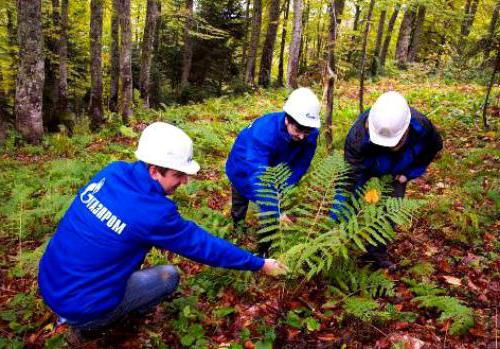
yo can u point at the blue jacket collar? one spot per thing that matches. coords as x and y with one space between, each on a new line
143 179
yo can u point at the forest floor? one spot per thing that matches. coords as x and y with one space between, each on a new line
452 243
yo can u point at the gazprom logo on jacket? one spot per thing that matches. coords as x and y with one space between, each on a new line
101 212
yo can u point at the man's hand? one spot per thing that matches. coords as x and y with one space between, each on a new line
273 267
401 179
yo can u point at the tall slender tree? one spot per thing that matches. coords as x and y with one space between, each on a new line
363 55
329 71
244 47
417 34
469 16
187 51
62 85
30 75
496 68
254 41
378 43
95 105
125 61
114 70
283 41
404 37
266 60
388 36
147 50
293 57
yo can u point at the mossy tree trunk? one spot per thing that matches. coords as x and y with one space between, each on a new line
114 72
147 50
254 41
95 106
268 48
30 75
125 62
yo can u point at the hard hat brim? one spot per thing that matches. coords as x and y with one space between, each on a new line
191 168
384 141
306 122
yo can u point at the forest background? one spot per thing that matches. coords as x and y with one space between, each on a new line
79 80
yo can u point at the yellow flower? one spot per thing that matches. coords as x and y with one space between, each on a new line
372 196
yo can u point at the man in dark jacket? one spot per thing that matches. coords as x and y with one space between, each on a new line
90 272
390 139
289 137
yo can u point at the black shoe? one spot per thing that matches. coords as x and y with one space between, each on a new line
377 261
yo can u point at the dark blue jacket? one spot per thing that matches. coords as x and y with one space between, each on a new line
370 160
266 142
105 235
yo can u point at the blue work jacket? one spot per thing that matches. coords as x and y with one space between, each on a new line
370 160
105 235
266 142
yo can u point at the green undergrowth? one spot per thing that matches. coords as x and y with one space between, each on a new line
37 184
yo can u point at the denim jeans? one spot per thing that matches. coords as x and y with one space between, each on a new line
145 289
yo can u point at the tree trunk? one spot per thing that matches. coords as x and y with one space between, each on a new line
354 38
254 41
339 10
363 55
319 32
266 61
155 98
417 34
378 43
4 115
114 72
187 51
30 75
470 14
125 62
404 37
329 72
490 86
147 50
388 35
245 38
293 56
62 86
283 41
95 106
491 30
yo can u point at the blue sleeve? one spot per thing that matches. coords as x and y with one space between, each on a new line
186 238
430 144
300 166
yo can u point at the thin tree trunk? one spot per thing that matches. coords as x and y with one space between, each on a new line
114 72
293 57
125 62
147 50
62 95
388 35
417 34
319 31
404 37
266 61
245 38
491 30
488 92
283 41
363 55
470 14
339 11
187 51
95 106
354 38
329 72
30 75
378 43
156 71
254 41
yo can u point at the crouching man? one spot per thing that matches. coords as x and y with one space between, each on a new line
90 272
289 137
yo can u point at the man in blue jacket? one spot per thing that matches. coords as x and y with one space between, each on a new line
90 272
289 137
392 139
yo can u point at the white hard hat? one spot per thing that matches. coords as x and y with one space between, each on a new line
388 119
167 146
303 106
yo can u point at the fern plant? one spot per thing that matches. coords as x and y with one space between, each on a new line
314 242
430 296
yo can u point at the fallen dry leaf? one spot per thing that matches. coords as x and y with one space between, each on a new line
452 280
